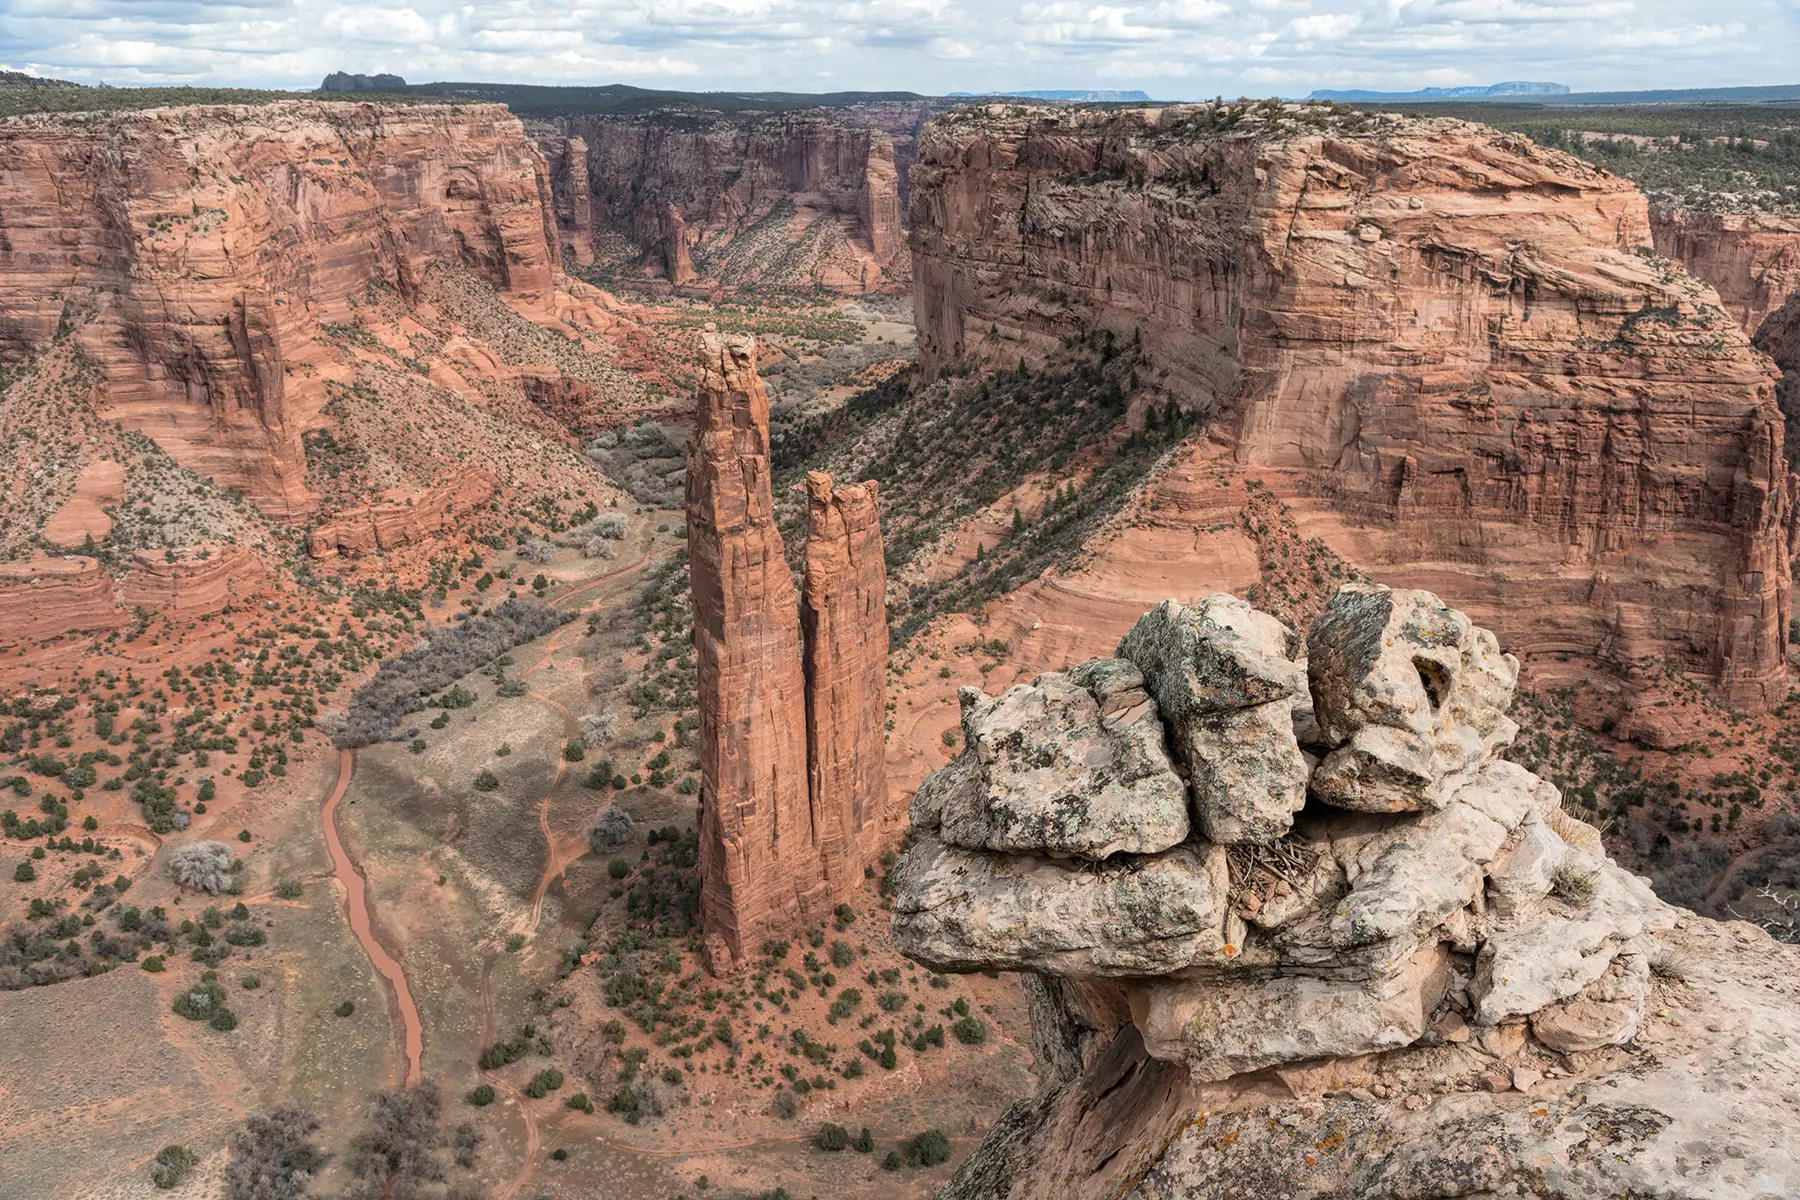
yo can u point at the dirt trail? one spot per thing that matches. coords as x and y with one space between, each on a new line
533 1141
356 901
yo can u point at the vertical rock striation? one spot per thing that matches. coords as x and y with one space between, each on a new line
1752 259
843 620
793 796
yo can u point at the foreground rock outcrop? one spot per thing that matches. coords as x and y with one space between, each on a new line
195 253
793 797
401 520
1459 344
1427 980
790 199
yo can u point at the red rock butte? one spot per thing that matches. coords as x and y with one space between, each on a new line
793 798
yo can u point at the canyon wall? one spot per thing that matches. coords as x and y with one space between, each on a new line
1751 259
45 598
194 253
795 199
194 582
780 844
1460 346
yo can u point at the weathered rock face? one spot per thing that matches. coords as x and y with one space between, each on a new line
1751 259
44 598
1479 943
843 625
195 253
801 197
402 520
1463 344
793 794
567 158
195 582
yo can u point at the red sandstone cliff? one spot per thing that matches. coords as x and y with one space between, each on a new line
44 598
1463 344
790 198
1751 259
195 582
402 520
843 620
196 251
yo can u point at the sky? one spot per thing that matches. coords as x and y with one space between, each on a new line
1173 49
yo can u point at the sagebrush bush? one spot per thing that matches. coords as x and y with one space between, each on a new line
273 1157
204 866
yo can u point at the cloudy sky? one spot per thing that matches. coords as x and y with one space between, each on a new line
1174 49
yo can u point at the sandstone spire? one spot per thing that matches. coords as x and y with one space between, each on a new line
793 796
843 617
757 853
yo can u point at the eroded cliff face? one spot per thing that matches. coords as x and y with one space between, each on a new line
1464 345
794 199
1411 974
1751 259
194 254
793 793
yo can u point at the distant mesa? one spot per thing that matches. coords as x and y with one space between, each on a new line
1492 91
1072 95
340 81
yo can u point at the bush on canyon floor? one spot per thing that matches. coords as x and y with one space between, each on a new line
482 1095
611 828
398 1151
833 1137
929 1149
273 1156
447 653
204 866
171 1166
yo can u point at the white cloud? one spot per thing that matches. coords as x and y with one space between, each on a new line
1172 48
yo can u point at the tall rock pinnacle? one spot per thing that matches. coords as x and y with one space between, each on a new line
755 831
843 616
793 798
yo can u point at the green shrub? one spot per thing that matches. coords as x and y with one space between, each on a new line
223 1021
864 1143
573 751
486 781
842 954
832 1137
580 1102
929 1148
24 872
970 1031
482 1096
892 1162
288 889
543 1083
153 964
250 982
515 942
559 1154
171 1166
201 1001
618 868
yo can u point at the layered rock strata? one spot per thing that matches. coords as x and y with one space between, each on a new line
793 796
402 520
1463 345
797 197
194 254
44 598
194 582
1752 259
1460 920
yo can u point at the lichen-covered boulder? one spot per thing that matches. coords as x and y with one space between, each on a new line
1071 764
1225 678
968 910
1410 695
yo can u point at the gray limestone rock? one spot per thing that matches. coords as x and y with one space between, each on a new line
1071 764
967 910
1225 679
